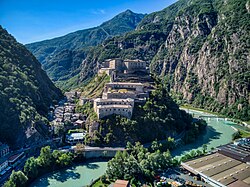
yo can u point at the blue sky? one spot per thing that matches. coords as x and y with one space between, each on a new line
35 20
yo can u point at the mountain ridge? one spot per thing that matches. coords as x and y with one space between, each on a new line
62 56
199 49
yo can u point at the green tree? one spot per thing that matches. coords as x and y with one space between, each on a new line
80 148
155 146
9 183
236 135
45 158
193 153
18 179
115 166
31 168
199 152
64 159
204 148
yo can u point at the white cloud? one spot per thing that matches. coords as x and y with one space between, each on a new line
98 11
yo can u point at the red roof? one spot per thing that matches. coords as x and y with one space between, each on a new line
14 157
121 183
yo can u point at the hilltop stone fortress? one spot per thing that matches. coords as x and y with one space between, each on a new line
127 85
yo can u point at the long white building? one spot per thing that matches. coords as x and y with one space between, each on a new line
106 107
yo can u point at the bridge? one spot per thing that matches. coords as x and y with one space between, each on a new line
215 117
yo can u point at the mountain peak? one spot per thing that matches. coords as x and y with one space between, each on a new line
129 11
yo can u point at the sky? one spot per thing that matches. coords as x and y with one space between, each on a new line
35 20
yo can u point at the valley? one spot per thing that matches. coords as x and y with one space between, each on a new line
184 43
222 128
158 99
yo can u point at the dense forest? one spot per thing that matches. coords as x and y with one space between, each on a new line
26 92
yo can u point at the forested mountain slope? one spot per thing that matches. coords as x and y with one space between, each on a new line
62 56
26 92
199 48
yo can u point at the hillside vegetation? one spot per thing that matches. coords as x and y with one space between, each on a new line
26 92
95 87
158 118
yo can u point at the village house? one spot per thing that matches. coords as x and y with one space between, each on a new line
79 123
120 183
75 138
72 95
83 100
3 165
4 149
76 116
14 160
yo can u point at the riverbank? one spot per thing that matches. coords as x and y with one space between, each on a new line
239 122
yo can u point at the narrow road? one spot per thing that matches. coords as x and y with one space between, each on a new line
89 148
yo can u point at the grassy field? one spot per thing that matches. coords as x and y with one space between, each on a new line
99 183
95 87
244 134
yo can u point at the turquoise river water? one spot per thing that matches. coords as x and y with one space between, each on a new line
219 132
77 176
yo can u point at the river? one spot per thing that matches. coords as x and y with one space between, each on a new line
218 132
78 176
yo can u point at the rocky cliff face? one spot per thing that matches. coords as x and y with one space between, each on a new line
26 92
199 48
207 57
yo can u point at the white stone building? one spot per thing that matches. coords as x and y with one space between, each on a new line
106 107
123 90
112 66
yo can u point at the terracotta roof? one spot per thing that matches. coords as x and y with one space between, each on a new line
15 157
121 183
